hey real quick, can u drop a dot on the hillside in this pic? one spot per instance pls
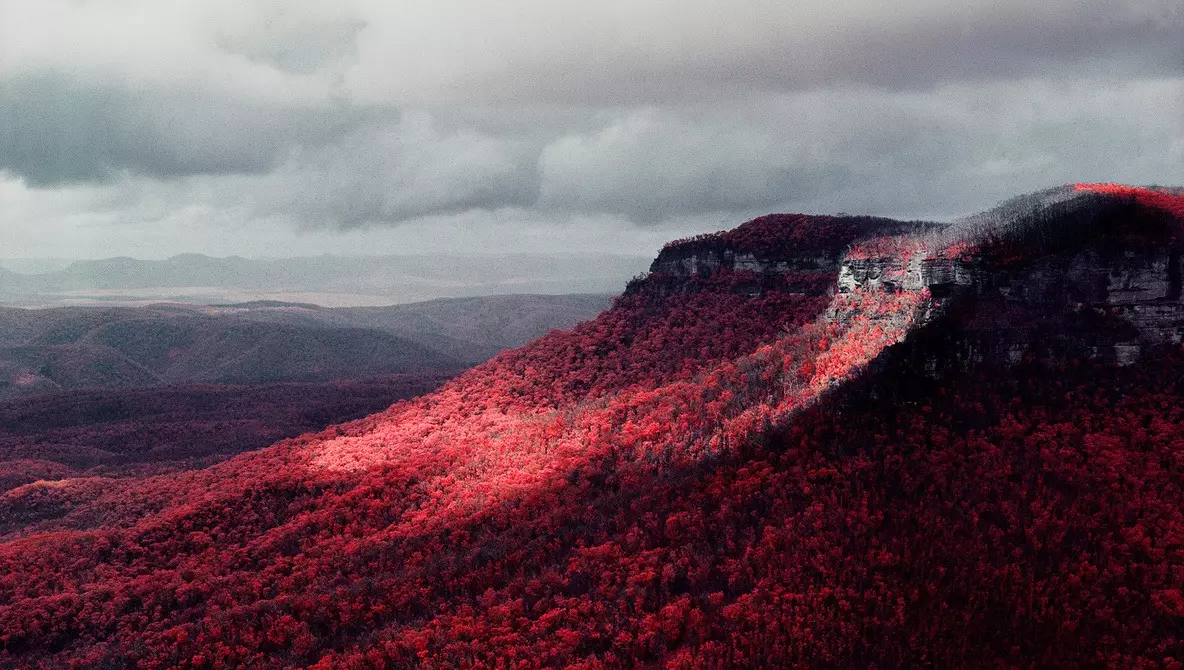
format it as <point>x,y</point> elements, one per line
<point>118,392</point>
<point>68,348</point>
<point>472,329</point>
<point>808,441</point>
<point>136,432</point>
<point>130,348</point>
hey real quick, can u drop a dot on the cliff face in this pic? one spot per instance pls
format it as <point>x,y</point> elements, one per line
<point>1088,277</point>
<point>1064,273</point>
<point>686,263</point>
<point>798,254</point>
<point>1109,305</point>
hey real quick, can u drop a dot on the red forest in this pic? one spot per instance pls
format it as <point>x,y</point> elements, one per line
<point>1171,200</point>
<point>109,432</point>
<point>727,468</point>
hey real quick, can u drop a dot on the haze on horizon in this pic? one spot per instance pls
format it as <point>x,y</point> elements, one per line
<point>269,128</point>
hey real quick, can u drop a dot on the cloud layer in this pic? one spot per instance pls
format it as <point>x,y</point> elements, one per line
<point>359,114</point>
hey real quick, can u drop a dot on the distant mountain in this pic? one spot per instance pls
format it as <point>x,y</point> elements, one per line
<point>35,265</point>
<point>333,280</point>
<point>88,392</point>
<point>469,329</point>
<point>49,350</point>
<point>135,348</point>
<point>808,441</point>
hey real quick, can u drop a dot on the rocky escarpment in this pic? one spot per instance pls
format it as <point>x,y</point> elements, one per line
<point>1071,275</point>
<point>1111,303</point>
<point>706,261</point>
<point>1068,272</point>
<point>808,251</point>
<point>781,243</point>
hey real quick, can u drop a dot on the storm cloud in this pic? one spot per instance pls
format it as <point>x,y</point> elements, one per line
<point>360,115</point>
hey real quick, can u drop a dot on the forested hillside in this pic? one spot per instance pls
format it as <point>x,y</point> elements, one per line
<point>808,441</point>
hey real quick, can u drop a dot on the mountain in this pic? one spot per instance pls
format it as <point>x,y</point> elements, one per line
<point>118,392</point>
<point>472,329</point>
<point>130,348</point>
<point>328,280</point>
<point>807,441</point>
<point>48,350</point>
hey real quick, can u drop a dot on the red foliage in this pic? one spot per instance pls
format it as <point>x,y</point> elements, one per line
<point>139,431</point>
<point>701,478</point>
<point>793,235</point>
<point>648,339</point>
<point>1167,200</point>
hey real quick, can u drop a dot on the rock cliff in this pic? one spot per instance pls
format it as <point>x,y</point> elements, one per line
<point>1068,272</point>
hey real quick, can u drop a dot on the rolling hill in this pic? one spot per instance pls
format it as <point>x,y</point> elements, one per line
<point>49,350</point>
<point>132,348</point>
<point>470,329</point>
<point>807,441</point>
<point>118,392</point>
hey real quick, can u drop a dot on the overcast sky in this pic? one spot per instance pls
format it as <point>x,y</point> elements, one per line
<point>268,128</point>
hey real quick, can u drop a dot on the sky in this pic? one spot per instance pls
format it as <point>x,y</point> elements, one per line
<point>267,128</point>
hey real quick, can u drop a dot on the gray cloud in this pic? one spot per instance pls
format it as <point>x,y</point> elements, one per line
<point>936,152</point>
<point>294,46</point>
<point>396,172</point>
<point>941,152</point>
<point>651,166</point>
<point>56,130</point>
<point>360,114</point>
<point>661,52</point>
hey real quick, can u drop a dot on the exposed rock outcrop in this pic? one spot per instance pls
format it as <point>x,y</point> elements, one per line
<point>1065,272</point>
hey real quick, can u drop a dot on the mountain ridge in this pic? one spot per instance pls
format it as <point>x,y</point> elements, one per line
<point>340,281</point>
<point>931,451</point>
<point>94,347</point>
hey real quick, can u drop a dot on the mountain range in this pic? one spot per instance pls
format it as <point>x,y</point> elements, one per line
<point>47,350</point>
<point>808,441</point>
<point>88,391</point>
<point>326,280</point>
